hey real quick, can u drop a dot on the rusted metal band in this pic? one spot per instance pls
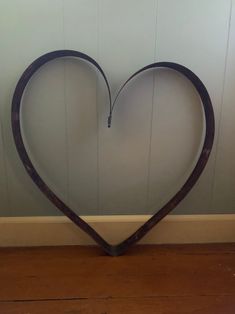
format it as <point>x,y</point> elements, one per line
<point>113,250</point>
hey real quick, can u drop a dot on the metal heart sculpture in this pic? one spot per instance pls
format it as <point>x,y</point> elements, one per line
<point>120,248</point>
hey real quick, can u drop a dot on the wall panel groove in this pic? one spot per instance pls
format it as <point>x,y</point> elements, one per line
<point>137,164</point>
<point>224,184</point>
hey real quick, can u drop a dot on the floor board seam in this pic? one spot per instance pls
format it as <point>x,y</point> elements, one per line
<point>115,298</point>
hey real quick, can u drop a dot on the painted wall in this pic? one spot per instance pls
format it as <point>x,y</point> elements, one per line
<point>140,162</point>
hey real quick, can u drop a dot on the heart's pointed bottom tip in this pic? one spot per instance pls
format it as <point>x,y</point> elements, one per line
<point>115,250</point>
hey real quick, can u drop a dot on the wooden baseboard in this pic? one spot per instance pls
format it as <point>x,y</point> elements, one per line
<point>47,231</point>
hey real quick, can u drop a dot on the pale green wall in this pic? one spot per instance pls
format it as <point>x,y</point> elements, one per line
<point>135,166</point>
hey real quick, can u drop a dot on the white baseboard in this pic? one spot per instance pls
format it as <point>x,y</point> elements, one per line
<point>51,231</point>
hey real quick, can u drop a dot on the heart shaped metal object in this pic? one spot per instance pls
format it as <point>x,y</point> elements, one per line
<point>120,248</point>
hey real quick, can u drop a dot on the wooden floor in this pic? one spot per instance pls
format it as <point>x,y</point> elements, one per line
<point>150,279</point>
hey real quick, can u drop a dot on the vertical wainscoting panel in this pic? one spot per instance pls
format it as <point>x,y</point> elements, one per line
<point>27,30</point>
<point>126,43</point>
<point>116,171</point>
<point>80,20</point>
<point>224,188</point>
<point>193,33</point>
<point>4,197</point>
<point>43,120</point>
<point>176,136</point>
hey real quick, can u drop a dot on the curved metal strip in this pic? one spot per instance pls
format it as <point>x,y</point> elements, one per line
<point>113,250</point>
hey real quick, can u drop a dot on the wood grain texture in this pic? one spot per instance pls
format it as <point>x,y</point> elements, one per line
<point>166,279</point>
<point>160,305</point>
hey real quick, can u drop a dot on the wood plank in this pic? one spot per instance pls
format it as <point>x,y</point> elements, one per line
<point>28,30</point>
<point>124,148</point>
<point>80,89</point>
<point>4,193</point>
<point>183,28</point>
<point>224,196</point>
<point>43,123</point>
<point>173,305</point>
<point>145,271</point>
